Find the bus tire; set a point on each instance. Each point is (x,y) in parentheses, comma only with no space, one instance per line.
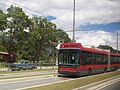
(20,69)
(89,71)
(105,70)
(115,68)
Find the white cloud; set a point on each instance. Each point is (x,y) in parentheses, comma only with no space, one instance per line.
(96,38)
(92,11)
(3,5)
(87,11)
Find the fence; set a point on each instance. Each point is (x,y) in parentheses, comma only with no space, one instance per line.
(40,66)
(47,66)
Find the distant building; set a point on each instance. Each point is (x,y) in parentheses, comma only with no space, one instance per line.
(4,57)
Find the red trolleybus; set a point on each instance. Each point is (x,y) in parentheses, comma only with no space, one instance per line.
(76,60)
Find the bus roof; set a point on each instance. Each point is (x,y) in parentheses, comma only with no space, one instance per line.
(115,54)
(79,45)
(71,45)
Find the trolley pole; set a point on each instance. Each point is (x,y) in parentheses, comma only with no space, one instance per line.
(73,22)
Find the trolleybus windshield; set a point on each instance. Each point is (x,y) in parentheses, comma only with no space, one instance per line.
(69,57)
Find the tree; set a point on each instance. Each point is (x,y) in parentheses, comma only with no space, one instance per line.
(41,36)
(3,25)
(61,35)
(3,42)
(3,21)
(107,48)
(18,21)
(29,37)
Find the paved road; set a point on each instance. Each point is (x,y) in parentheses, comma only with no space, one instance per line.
(27,82)
(33,81)
(27,73)
(108,84)
(113,86)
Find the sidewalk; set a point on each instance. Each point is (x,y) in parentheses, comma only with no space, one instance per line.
(24,74)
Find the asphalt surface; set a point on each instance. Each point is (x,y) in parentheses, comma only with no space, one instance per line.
(113,86)
(107,84)
(27,74)
(17,84)
(21,83)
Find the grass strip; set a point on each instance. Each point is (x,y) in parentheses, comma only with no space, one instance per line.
(72,84)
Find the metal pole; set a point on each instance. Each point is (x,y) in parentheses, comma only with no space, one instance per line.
(117,42)
(108,68)
(74,22)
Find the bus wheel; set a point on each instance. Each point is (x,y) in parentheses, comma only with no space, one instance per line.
(20,69)
(105,70)
(89,71)
(115,68)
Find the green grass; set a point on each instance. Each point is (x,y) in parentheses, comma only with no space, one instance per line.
(2,65)
(69,85)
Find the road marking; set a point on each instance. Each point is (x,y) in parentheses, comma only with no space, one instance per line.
(100,86)
(11,79)
(27,80)
(108,84)
(82,87)
(60,82)
(47,83)
(33,78)
(42,85)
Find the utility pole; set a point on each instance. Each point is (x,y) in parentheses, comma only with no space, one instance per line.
(117,42)
(73,22)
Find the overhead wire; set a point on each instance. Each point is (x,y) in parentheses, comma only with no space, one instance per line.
(61,22)
(42,15)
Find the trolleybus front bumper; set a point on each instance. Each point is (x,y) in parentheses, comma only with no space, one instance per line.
(69,73)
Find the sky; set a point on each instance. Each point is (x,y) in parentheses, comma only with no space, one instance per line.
(96,21)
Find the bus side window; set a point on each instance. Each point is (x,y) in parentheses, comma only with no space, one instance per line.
(112,59)
(84,58)
(119,60)
(93,58)
(89,58)
(98,58)
(104,59)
